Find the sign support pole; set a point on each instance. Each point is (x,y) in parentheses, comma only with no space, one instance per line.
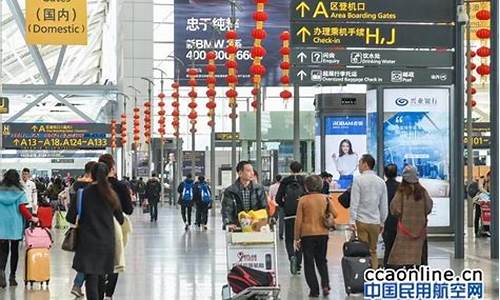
(470,159)
(494,128)
(258,133)
(296,122)
(233,107)
(457,141)
(380,131)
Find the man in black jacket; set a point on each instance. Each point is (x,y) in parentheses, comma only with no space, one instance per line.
(153,194)
(243,195)
(391,223)
(289,192)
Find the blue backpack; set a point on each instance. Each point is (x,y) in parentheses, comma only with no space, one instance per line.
(187,193)
(206,197)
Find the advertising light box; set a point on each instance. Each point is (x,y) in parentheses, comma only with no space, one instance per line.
(416,132)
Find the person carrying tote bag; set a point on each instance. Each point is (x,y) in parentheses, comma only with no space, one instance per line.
(410,205)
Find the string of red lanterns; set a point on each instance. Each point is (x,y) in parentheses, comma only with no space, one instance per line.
(175,105)
(257,70)
(124,129)
(192,72)
(161,113)
(211,80)
(232,74)
(285,66)
(137,124)
(147,122)
(484,51)
(113,135)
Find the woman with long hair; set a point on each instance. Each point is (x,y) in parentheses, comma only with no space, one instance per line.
(94,255)
(410,206)
(346,163)
(13,209)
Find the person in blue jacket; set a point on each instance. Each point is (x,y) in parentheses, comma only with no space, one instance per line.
(13,209)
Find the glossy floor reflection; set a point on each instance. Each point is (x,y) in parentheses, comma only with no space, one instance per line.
(165,262)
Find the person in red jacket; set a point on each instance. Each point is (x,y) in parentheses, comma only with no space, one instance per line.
(12,211)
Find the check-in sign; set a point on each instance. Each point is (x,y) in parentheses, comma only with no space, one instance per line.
(56,22)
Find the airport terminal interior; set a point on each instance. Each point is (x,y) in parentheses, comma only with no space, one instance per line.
(249,149)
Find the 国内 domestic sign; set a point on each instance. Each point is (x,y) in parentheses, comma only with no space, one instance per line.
(372,11)
(367,75)
(61,22)
(378,58)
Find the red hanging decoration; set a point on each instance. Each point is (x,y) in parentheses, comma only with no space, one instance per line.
(285,66)
(113,135)
(147,122)
(124,129)
(231,65)
(257,70)
(483,70)
(161,119)
(192,72)
(175,105)
(211,80)
(483,15)
(137,128)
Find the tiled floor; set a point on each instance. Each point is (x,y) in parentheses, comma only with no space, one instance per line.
(165,262)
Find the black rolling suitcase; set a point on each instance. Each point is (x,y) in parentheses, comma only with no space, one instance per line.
(355,262)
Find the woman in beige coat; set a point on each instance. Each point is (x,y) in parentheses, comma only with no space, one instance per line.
(410,206)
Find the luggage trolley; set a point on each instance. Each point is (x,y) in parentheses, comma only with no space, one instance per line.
(257,250)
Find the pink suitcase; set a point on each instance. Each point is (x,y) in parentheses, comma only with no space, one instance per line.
(37,237)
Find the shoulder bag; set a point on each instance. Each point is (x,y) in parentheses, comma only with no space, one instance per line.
(328,219)
(71,235)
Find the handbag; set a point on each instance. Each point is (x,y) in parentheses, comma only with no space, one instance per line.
(345,198)
(71,236)
(328,219)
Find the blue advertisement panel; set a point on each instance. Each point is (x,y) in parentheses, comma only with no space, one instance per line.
(200,26)
(416,132)
(345,142)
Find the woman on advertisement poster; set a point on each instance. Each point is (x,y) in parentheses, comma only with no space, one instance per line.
(346,163)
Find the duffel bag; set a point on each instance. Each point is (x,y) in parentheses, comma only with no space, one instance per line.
(241,277)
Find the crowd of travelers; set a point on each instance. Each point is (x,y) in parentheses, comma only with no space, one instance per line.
(99,205)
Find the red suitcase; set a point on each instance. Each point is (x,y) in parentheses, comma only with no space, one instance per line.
(44,214)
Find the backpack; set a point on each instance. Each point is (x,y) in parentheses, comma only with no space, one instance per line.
(293,191)
(187,192)
(242,277)
(153,190)
(206,197)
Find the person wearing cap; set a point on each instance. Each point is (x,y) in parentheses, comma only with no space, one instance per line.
(410,206)
(369,208)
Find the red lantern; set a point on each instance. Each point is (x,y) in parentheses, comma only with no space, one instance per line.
(483,70)
(285,36)
(285,51)
(258,51)
(259,34)
(192,82)
(255,91)
(260,1)
(192,105)
(192,94)
(192,72)
(473,103)
(231,93)
(231,49)
(231,79)
(483,33)
(254,103)
(285,79)
(211,55)
(257,70)
(175,104)
(473,91)
(285,65)
(483,15)
(211,123)
(175,123)
(483,51)
(175,85)
(161,95)
(161,104)
(231,35)
(192,115)
(211,93)
(175,95)
(472,54)
(211,68)
(472,65)
(211,105)
(175,113)
(231,64)
(260,16)
(286,94)
(233,116)
(472,78)
(161,112)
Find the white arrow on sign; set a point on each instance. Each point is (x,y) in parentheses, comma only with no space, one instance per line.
(302,56)
(302,74)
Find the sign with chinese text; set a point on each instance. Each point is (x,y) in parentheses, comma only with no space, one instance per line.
(310,76)
(55,136)
(56,22)
(226,136)
(377,58)
(4,105)
(324,35)
(200,27)
(199,163)
(372,11)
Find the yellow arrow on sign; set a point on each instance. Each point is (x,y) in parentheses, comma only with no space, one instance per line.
(304,32)
(302,7)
